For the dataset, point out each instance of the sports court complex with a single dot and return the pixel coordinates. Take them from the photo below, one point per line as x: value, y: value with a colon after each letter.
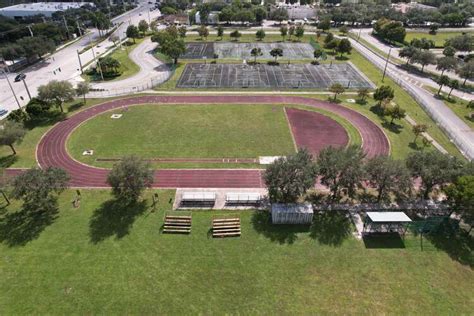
x: 286, y: 76
x: 225, y: 50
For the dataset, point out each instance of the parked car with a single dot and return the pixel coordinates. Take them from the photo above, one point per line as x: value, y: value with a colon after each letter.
x: 3, y: 112
x: 20, y: 77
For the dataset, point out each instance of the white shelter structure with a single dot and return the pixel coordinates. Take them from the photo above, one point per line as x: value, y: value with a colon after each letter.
x: 386, y: 222
x: 21, y: 11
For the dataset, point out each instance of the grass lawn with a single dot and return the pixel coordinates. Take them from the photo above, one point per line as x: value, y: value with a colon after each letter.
x: 26, y: 157
x: 402, y: 136
x: 189, y: 131
x: 105, y: 258
x: 127, y: 67
x: 439, y: 38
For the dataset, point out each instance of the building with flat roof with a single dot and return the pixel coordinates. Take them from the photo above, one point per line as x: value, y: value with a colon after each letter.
x: 46, y: 9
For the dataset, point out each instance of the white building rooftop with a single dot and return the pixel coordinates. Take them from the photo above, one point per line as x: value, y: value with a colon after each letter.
x: 388, y: 217
x: 40, y: 8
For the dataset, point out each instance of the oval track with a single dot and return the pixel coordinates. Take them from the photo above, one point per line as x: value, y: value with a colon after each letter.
x: 51, y: 150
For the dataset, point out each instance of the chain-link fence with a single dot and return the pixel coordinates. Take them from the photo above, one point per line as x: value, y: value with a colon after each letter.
x: 106, y: 93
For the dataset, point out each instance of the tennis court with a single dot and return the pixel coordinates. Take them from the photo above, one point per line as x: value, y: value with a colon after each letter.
x: 265, y: 76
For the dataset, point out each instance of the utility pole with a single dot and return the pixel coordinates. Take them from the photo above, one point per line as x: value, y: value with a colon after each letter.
x: 94, y: 57
x: 11, y: 88
x: 31, y: 31
x: 79, y: 29
x: 386, y: 63
x: 80, y: 63
x: 67, y: 28
x: 26, y: 87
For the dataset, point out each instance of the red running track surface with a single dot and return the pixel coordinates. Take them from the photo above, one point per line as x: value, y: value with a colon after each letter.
x: 315, y: 131
x: 51, y: 150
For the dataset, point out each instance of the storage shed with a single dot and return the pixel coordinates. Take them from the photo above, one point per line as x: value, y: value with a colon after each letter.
x: 292, y: 213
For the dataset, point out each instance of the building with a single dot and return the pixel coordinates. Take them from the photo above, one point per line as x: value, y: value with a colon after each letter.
x: 46, y: 9
x: 405, y: 7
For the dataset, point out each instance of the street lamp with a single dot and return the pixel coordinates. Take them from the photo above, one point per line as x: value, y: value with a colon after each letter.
x: 11, y: 88
x: 386, y: 63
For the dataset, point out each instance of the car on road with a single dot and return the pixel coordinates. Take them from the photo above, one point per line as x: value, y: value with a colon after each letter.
x: 20, y: 77
x: 3, y: 112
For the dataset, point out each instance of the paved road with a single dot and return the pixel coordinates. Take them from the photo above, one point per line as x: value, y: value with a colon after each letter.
x: 460, y: 133
x: 366, y: 35
x: 152, y: 72
x: 51, y: 150
x: 64, y: 64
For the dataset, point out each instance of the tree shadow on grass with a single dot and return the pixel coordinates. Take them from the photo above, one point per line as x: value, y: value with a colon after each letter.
x: 114, y: 217
x: 282, y: 234
x: 392, y: 127
x: 383, y: 241
x: 7, y: 161
x: 76, y: 106
x: 18, y: 228
x: 458, y: 244
x: 331, y: 227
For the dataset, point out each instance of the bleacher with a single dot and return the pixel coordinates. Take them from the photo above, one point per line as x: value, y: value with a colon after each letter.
x: 242, y: 198
x: 198, y: 199
x: 226, y: 227
x: 177, y: 224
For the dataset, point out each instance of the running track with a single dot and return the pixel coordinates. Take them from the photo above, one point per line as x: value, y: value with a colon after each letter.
x: 51, y: 150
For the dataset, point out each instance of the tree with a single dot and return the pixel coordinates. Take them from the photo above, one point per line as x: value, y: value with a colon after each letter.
x: 337, y: 89
x: 174, y: 48
x: 260, y: 34
x: 446, y: 64
x: 235, y: 35
x: 220, y: 31
x: 39, y: 188
x: 36, y: 46
x: 182, y: 31
x: 109, y: 65
x: 129, y: 178
x: 434, y: 169
x: 363, y: 93
x: 460, y: 196
x: 434, y: 28
x: 449, y: 51
x: 329, y: 38
x: 341, y: 168
x: 324, y: 25
x: 332, y: 45
x: 11, y: 52
x: 279, y: 14
x: 256, y: 52
x: 101, y: 21
x: 283, y: 32
x: 143, y: 27
x: 422, y: 43
x: 299, y: 32
x: 392, y: 31
x: 82, y: 89
x: 443, y: 80
x: 395, y: 113
x: 343, y: 30
x: 11, y: 133
x: 384, y: 93
x: 276, y: 52
x: 388, y: 177
x: 318, y: 53
x: 288, y: 178
x: 462, y: 43
x: 291, y: 31
x: 419, y: 129
x: 344, y: 46
x: 114, y: 38
x: 203, y: 31
x: 56, y: 92
x: 36, y: 108
x: 466, y: 71
x: 407, y: 52
x: 132, y: 32
x: 453, y: 84
x: 423, y: 58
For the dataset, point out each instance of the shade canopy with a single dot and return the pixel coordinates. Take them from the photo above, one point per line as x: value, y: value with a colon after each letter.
x: 388, y: 217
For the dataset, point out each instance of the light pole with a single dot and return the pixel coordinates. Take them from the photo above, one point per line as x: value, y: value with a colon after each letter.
x: 11, y: 88
x: 93, y: 55
x: 26, y: 87
x: 80, y: 63
x: 386, y: 63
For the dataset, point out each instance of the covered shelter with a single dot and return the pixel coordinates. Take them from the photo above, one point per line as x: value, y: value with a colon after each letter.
x: 386, y: 222
x: 292, y: 213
